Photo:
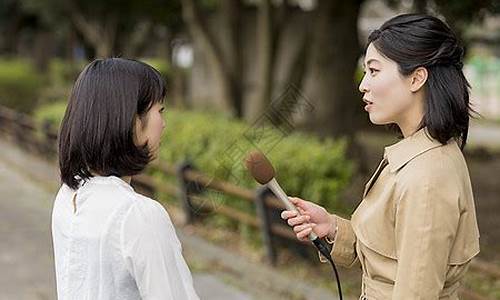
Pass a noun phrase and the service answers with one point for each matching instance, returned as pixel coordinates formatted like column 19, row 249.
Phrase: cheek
column 391, row 97
column 384, row 88
column 158, row 126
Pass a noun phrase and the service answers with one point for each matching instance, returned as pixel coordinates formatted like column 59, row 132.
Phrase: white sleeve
column 153, row 254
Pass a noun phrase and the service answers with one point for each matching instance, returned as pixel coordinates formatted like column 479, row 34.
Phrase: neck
column 410, row 122
column 408, row 129
column 127, row 179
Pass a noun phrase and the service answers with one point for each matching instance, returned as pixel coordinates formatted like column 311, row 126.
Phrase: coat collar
column 410, row 147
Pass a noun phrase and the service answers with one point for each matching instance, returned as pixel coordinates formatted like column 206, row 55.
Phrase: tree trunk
column 332, row 88
column 11, row 32
column 330, row 85
column 102, row 36
column 42, row 50
column 420, row 6
column 271, row 25
column 233, row 12
column 265, row 58
column 224, row 72
column 138, row 39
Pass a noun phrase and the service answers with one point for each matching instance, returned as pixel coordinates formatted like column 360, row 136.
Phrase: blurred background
column 280, row 76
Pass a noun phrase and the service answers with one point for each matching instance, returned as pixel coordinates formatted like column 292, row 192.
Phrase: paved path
column 25, row 249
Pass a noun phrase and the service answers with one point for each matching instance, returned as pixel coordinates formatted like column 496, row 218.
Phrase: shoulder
column 437, row 167
column 146, row 214
column 432, row 175
column 148, row 208
column 147, row 223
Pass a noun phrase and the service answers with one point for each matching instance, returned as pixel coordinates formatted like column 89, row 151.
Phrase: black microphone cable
column 325, row 249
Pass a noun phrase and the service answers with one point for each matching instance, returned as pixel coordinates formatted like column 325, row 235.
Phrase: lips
column 368, row 104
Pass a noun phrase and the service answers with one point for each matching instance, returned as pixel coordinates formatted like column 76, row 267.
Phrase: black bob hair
column 416, row 40
column 97, row 132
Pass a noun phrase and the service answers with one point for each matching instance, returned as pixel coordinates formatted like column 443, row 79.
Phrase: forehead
column 372, row 55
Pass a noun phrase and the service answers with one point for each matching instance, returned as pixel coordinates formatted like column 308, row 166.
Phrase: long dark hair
column 416, row 40
column 97, row 131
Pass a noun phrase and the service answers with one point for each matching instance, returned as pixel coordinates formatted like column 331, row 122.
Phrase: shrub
column 20, row 84
column 51, row 113
column 64, row 73
column 306, row 167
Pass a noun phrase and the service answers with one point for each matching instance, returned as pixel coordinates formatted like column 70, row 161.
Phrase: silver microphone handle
column 274, row 186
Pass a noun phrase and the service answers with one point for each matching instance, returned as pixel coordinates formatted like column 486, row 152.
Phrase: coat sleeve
column 344, row 245
column 153, row 254
column 427, row 217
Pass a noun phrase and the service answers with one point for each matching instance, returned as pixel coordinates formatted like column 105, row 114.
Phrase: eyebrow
column 369, row 61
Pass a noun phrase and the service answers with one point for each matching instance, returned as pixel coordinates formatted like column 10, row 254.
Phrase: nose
column 363, row 88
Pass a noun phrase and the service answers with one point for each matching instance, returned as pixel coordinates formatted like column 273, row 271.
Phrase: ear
column 418, row 79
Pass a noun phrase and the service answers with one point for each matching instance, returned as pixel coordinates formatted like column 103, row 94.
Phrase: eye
column 162, row 109
column 373, row 71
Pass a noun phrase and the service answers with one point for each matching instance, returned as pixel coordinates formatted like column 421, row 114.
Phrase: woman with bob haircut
column 415, row 230
column 109, row 241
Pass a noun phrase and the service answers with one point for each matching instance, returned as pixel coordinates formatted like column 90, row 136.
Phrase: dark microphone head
column 260, row 167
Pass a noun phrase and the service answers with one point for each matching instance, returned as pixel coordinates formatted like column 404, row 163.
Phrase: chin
column 377, row 120
column 380, row 120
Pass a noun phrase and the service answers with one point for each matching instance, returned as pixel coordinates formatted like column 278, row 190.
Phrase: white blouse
column 117, row 245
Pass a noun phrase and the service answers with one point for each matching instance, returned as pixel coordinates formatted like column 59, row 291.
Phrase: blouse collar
column 110, row 180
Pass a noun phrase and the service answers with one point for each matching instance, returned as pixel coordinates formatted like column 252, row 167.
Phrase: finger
column 302, row 227
column 304, row 234
column 286, row 214
column 301, row 211
column 298, row 202
column 298, row 220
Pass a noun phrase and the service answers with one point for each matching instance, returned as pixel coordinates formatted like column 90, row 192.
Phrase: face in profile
column 388, row 95
column 149, row 128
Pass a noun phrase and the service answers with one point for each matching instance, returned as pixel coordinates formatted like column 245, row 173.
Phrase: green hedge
column 306, row 166
column 64, row 73
column 52, row 113
column 313, row 169
column 20, row 84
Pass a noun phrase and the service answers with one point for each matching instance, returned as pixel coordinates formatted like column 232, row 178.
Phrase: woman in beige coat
column 415, row 231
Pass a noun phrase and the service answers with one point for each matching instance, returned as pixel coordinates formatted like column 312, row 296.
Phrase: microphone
column 263, row 172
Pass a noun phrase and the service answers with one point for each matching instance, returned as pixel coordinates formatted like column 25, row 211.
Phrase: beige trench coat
column 415, row 231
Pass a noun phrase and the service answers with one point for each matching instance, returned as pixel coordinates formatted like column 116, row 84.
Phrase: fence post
column 48, row 145
column 185, row 189
column 263, row 213
column 19, row 133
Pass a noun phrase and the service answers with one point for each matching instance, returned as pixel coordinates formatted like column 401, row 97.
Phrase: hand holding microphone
column 323, row 223
column 299, row 212
column 263, row 172
column 302, row 215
